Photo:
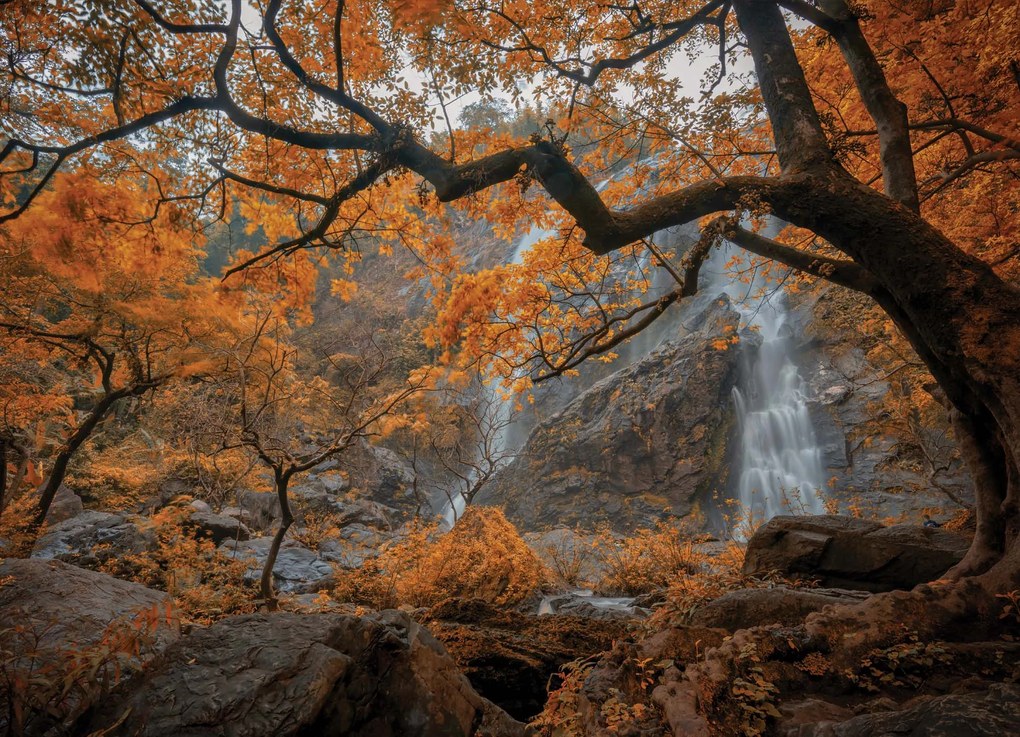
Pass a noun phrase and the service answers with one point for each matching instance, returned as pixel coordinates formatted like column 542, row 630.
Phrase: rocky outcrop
column 994, row 712
column 67, row 605
column 67, row 633
column 846, row 552
column 648, row 439
column 778, row 605
column 65, row 505
column 92, row 537
column 303, row 674
column 509, row 657
column 892, row 466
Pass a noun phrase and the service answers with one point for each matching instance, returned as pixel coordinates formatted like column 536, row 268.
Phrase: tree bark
column 960, row 317
column 287, row 519
column 67, row 451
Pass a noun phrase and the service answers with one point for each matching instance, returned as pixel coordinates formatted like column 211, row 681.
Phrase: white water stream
column 503, row 407
column 780, row 461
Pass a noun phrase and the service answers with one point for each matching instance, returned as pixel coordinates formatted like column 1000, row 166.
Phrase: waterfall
column 780, row 459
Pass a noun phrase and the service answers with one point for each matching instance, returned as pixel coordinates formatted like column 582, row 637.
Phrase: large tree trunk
column 960, row 317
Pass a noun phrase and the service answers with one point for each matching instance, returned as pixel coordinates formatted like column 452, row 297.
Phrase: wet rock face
column 509, row 657
column 853, row 553
column 329, row 675
column 867, row 457
column 758, row 607
column 647, row 439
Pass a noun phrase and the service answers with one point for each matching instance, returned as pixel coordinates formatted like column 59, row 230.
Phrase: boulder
column 356, row 544
column 200, row 506
column 257, row 509
column 757, row 607
column 218, row 527
column 71, row 605
column 347, row 511
column 381, row 475
column 54, row 618
column 92, row 537
column 991, row 713
column 289, row 674
column 647, row 439
column 297, row 569
column 509, row 657
column 846, row 552
column 65, row 505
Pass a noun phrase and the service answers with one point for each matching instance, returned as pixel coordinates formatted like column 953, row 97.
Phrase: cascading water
column 780, row 466
column 780, row 459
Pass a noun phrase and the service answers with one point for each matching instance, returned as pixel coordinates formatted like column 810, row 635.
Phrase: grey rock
column 991, row 713
column 50, row 612
column 200, row 506
column 778, row 605
column 302, row 674
column 647, row 439
column 258, row 508
column 896, row 471
column 847, row 552
column 69, row 605
column 218, row 527
column 297, row 569
column 65, row 505
column 92, row 537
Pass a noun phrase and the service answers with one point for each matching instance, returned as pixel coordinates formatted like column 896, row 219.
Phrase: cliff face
column 649, row 439
column 659, row 436
column 886, row 456
column 655, row 430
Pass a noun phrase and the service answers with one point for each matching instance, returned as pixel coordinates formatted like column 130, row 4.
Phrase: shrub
column 649, row 560
column 206, row 584
column 482, row 557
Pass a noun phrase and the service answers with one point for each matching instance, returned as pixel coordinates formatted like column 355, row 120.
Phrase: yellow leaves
column 344, row 289
column 723, row 344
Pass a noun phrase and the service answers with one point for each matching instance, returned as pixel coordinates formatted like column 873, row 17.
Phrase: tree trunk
column 286, row 520
column 960, row 317
column 3, row 474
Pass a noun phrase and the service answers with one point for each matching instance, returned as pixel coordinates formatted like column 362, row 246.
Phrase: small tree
column 466, row 442
column 291, row 424
column 96, row 309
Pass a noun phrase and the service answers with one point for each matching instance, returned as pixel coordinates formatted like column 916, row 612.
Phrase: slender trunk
column 3, row 474
column 286, row 520
column 14, row 484
column 74, row 442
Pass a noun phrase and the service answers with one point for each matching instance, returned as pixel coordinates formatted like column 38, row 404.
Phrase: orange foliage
column 206, row 584
column 482, row 557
